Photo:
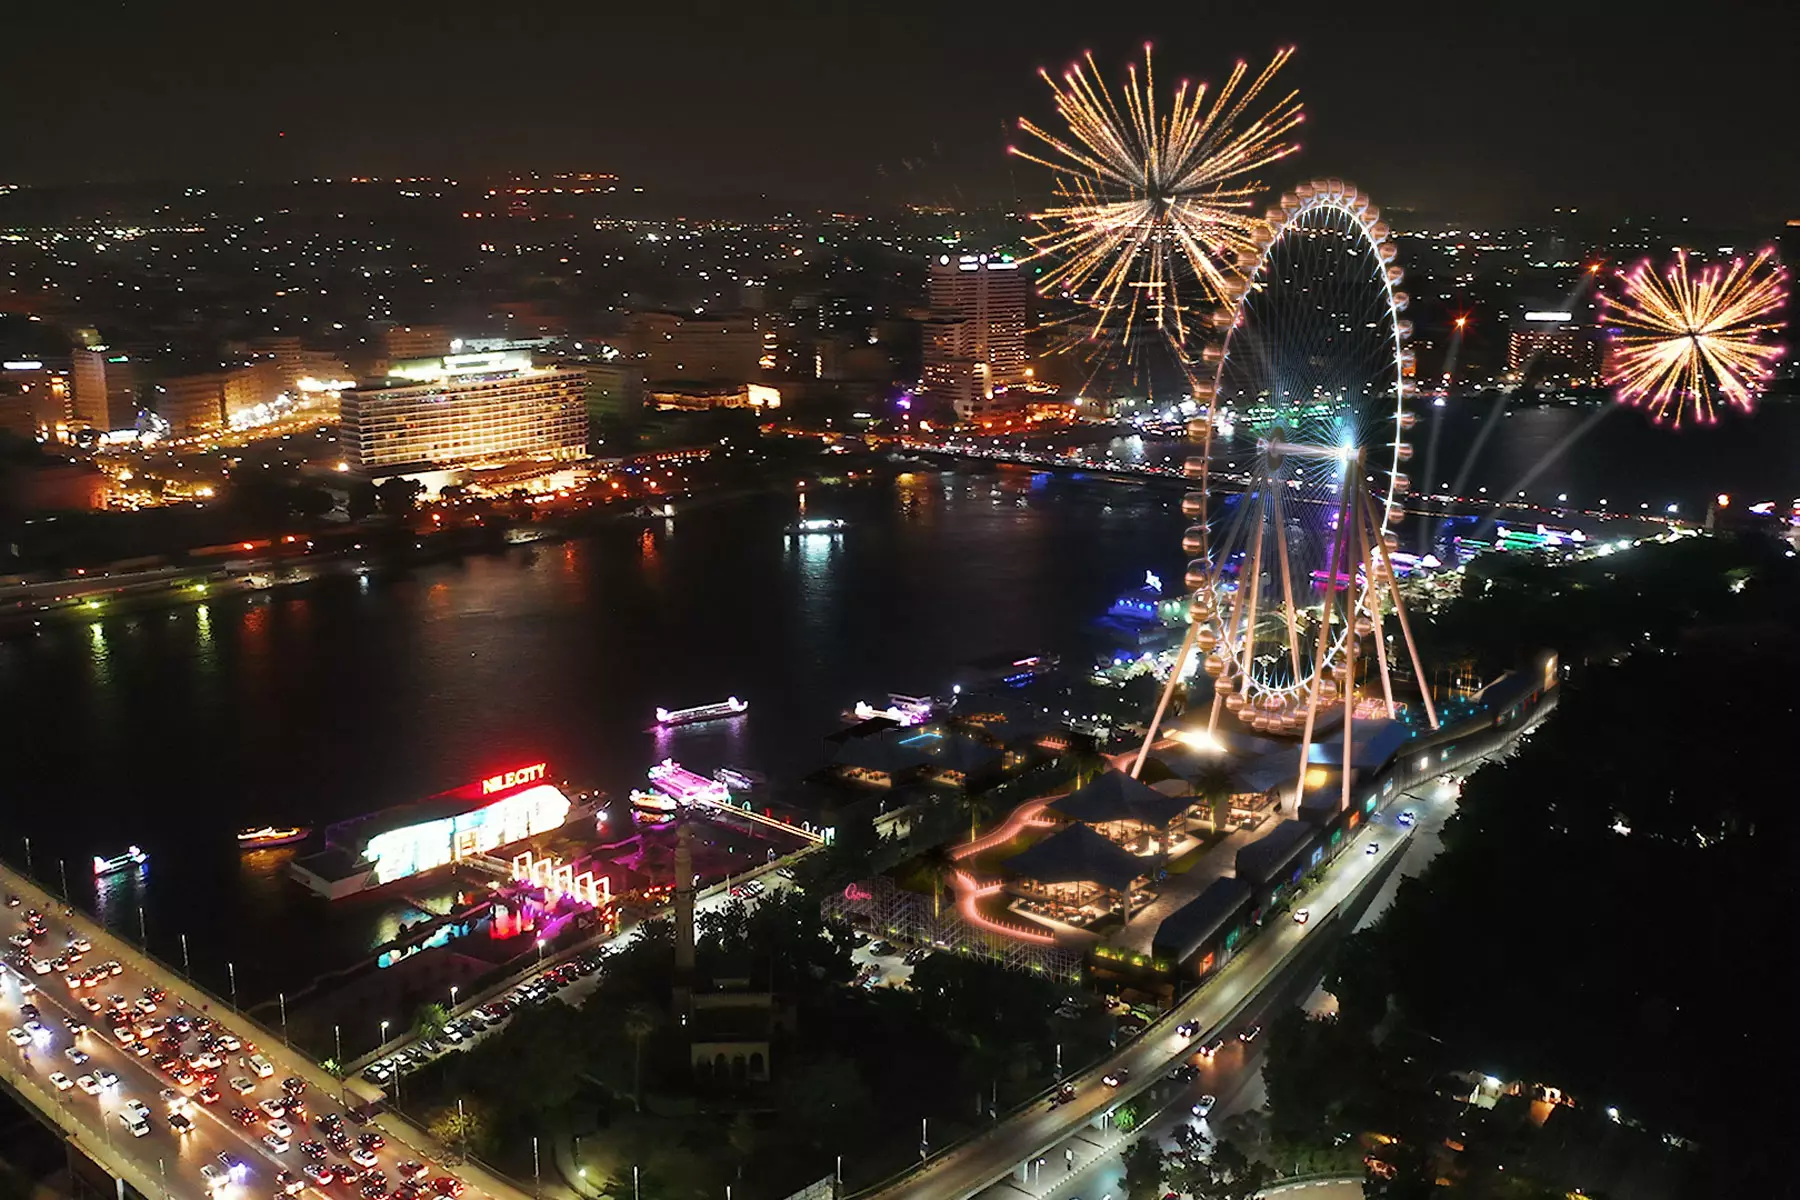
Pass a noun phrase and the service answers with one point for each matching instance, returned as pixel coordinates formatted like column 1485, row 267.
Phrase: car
column 91, row 1003
column 346, row 1174
column 371, row 1141
column 208, row 1095
column 447, row 1185
column 242, row 1086
column 1249, row 1035
column 413, row 1171
column 1373, row 848
column 337, row 1139
column 272, row 1106
column 137, row 1107
column 1302, row 915
column 214, row 1176
column 81, row 944
column 375, row 1175
column 881, row 949
column 89, row 1084
column 76, row 1055
column 261, row 1067
column 75, row 1028
column 373, row 1189
column 61, row 1082
column 312, row 1149
column 331, row 1121
column 245, row 1115
column 276, row 1142
column 1213, row 1047
column 1204, row 1105
column 117, row 1002
column 1115, row 1077
column 1188, row 1029
column 181, row 1075
column 319, row 1173
column 173, row 1099
column 107, row 1079
column 145, row 1005
column 293, row 1085
column 18, row 1037
column 115, row 967
column 230, row 1043
column 181, row 1123
column 363, row 1157
column 1407, row 818
column 1183, row 1072
column 279, row 1127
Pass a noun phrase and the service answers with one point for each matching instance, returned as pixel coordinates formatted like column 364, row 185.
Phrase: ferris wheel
column 1300, row 473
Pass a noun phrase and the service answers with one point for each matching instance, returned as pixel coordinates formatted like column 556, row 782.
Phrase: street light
column 281, row 997
column 540, row 946
column 384, row 1026
column 231, row 969
column 184, row 958
column 453, row 997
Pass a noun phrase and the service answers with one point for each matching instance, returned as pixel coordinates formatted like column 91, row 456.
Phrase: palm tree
column 432, row 1019
column 640, row 1022
column 939, row 865
column 1216, row 784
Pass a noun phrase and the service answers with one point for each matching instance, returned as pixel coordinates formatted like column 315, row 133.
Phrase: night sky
column 1487, row 109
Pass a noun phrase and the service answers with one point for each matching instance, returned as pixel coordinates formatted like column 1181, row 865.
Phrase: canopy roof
column 1076, row 854
column 1116, row 796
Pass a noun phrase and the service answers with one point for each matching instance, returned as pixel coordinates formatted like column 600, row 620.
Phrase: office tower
column 707, row 349
column 105, row 389
column 193, row 404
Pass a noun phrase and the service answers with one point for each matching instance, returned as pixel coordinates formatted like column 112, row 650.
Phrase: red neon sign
column 508, row 780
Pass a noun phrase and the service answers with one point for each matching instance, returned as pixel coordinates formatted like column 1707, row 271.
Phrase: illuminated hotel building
column 974, row 343
column 1553, row 347
column 464, row 409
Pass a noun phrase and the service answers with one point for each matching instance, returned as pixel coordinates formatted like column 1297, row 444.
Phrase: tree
column 362, row 502
column 939, row 865
column 431, row 1020
column 461, row 1127
column 1125, row 1117
column 640, row 1022
column 398, row 495
column 1216, row 784
column 1143, row 1170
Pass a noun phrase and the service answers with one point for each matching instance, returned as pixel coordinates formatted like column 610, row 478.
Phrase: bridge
column 164, row 1162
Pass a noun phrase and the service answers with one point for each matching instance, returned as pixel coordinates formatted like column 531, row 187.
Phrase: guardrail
column 96, row 1144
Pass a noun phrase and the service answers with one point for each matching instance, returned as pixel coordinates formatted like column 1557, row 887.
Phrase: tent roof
column 1116, row 796
column 1076, row 854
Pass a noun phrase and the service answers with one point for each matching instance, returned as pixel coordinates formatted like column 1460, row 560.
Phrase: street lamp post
column 231, row 970
column 453, row 999
column 184, row 958
column 634, row 1183
column 540, row 946
column 62, row 868
column 27, row 856
column 143, row 938
column 537, row 1173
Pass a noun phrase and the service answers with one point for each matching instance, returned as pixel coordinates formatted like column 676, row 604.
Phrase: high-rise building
column 193, row 404
column 105, row 391
column 401, row 343
column 1553, row 347
column 704, row 349
column 974, row 343
column 464, row 409
column 34, row 400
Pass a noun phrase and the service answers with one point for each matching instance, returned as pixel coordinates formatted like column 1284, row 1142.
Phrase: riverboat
column 817, row 527
column 730, row 707
column 272, row 835
column 131, row 859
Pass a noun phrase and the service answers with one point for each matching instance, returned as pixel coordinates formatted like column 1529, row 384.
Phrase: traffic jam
column 91, row 1029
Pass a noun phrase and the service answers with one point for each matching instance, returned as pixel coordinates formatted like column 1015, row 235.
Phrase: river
column 173, row 729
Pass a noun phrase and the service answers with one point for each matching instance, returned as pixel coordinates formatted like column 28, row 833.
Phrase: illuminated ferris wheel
column 1300, row 472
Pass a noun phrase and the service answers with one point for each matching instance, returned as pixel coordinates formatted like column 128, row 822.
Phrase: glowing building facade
column 974, row 344
column 464, row 409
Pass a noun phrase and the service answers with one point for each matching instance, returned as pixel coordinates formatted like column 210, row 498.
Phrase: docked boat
column 741, row 780
column 655, row 803
column 272, row 835
column 817, row 527
column 730, row 707
column 128, row 861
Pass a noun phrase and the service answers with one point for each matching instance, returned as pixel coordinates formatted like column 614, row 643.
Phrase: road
column 1089, row 1164
column 170, row 1160
column 988, row 1158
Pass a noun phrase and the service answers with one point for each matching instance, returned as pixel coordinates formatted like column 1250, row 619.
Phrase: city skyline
column 905, row 107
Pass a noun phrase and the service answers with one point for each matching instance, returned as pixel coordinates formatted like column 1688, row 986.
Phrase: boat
column 731, row 707
column 133, row 857
column 817, row 527
column 740, row 780
column 272, row 835
column 653, row 802
column 653, row 512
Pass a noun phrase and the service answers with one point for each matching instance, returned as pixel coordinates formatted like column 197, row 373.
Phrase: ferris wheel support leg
column 1412, row 647
column 1347, row 689
column 1256, row 557
column 1370, row 534
column 1162, row 705
column 1287, row 590
column 1218, row 704
column 1312, row 705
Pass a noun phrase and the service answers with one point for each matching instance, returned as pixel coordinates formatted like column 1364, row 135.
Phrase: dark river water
column 172, row 730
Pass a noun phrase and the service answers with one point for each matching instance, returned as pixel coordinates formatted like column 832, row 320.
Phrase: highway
column 1035, row 1132
column 167, row 1161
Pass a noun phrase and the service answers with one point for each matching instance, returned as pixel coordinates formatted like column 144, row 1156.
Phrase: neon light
column 410, row 849
column 1549, row 316
column 505, row 782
